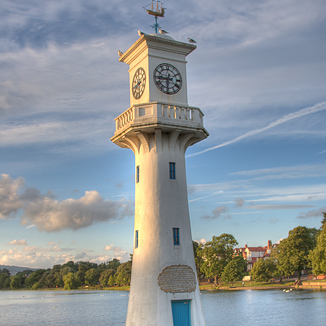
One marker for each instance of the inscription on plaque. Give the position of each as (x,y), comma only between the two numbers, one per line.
(177,279)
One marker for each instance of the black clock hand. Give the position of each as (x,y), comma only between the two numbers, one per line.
(138,83)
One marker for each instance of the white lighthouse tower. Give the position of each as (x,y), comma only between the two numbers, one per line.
(158,127)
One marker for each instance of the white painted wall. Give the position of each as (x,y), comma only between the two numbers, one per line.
(161,204)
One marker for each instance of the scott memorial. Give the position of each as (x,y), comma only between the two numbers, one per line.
(158,127)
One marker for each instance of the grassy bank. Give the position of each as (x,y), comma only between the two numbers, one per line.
(247,286)
(321,284)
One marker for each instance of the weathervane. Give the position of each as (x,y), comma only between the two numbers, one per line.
(158,12)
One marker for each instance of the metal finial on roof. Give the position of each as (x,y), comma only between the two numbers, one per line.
(159,11)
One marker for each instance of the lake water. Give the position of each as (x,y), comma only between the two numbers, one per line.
(109,308)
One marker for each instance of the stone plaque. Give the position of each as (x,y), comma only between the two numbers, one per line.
(177,279)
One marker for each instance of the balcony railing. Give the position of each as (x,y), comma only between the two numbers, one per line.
(160,113)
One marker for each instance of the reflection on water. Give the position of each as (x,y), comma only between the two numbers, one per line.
(109,308)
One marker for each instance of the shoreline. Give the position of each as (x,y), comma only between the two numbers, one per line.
(306,285)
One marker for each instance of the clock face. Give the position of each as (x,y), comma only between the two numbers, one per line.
(167,78)
(138,83)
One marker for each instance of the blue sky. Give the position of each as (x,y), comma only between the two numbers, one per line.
(258,74)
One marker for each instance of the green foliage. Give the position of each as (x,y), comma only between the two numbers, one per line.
(123,274)
(34,278)
(4,279)
(293,252)
(92,277)
(111,281)
(105,276)
(55,279)
(216,254)
(262,270)
(16,282)
(318,255)
(70,266)
(230,272)
(113,264)
(49,280)
(242,265)
(71,281)
(195,246)
(83,267)
(234,270)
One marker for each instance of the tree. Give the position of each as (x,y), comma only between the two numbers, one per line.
(234,270)
(34,277)
(263,270)
(293,252)
(4,279)
(55,278)
(216,254)
(71,281)
(105,276)
(83,267)
(113,264)
(323,222)
(123,274)
(242,265)
(71,266)
(16,282)
(111,281)
(195,246)
(49,280)
(198,260)
(318,255)
(230,272)
(92,277)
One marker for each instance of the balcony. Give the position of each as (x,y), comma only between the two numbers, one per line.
(159,114)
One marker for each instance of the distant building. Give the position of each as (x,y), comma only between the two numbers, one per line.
(253,254)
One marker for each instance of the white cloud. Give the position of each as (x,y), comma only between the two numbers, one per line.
(118,252)
(10,201)
(109,247)
(50,215)
(201,241)
(39,257)
(15,242)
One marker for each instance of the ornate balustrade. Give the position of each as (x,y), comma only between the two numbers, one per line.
(160,113)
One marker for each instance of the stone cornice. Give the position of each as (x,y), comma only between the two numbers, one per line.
(154,42)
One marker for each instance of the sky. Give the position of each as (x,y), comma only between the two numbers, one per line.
(258,74)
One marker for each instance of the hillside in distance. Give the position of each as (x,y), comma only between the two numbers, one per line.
(16,269)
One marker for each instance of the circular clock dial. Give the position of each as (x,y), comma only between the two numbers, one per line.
(167,78)
(138,83)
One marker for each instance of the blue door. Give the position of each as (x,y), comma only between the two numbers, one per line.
(181,313)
